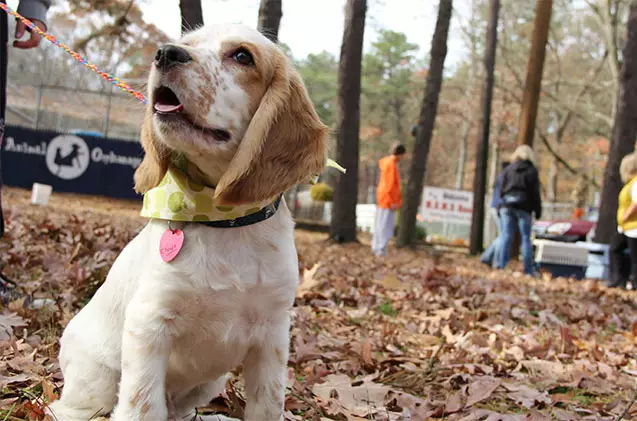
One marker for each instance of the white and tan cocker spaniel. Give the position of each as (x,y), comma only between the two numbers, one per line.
(159,337)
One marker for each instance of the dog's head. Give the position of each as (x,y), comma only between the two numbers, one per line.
(231,102)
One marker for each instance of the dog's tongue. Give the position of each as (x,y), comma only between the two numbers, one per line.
(168,108)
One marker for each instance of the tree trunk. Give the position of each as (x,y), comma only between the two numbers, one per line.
(343,226)
(534,69)
(482,147)
(551,189)
(426,123)
(464,137)
(468,94)
(191,15)
(607,19)
(398,114)
(270,14)
(624,132)
(495,164)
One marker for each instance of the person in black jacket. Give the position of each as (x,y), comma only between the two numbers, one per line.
(520,194)
(34,10)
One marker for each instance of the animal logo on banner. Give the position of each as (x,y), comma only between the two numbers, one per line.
(67,156)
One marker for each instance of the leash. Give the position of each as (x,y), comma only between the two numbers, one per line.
(77,56)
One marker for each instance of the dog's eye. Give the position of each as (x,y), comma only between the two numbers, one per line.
(243,57)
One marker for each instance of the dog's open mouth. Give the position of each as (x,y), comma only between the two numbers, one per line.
(167,105)
(166,102)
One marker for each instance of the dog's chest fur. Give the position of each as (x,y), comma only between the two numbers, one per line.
(219,297)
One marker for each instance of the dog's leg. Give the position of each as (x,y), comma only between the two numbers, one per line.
(201,395)
(265,372)
(146,343)
(90,388)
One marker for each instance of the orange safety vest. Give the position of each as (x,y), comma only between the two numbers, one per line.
(388,190)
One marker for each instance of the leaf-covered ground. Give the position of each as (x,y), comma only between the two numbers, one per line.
(418,335)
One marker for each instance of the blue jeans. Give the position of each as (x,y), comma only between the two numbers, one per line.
(510,220)
(490,255)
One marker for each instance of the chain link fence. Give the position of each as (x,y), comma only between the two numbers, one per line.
(108,113)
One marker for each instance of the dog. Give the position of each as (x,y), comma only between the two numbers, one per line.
(159,337)
(69,160)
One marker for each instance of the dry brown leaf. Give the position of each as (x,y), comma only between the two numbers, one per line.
(526,396)
(7,322)
(481,389)
(358,400)
(391,282)
(366,353)
(454,403)
(309,281)
(48,391)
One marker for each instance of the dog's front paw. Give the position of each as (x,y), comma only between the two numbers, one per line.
(142,412)
(215,418)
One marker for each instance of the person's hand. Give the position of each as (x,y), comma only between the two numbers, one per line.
(395,207)
(34,39)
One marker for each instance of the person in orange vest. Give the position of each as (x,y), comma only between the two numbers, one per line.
(388,200)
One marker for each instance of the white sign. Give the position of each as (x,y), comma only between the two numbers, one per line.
(67,156)
(446,205)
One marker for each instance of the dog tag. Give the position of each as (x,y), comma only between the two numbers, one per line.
(170,244)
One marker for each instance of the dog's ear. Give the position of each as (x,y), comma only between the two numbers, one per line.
(285,142)
(156,158)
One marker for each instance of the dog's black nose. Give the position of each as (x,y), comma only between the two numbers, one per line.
(170,55)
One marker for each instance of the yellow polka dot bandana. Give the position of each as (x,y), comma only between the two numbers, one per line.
(179,198)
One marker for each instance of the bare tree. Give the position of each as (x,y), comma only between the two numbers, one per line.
(426,124)
(343,225)
(191,15)
(606,13)
(534,70)
(624,132)
(482,147)
(471,34)
(270,14)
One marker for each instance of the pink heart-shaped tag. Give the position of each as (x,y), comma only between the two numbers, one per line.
(170,244)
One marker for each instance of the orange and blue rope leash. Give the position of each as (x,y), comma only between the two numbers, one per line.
(79,57)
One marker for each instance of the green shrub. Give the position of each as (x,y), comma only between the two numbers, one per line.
(321,192)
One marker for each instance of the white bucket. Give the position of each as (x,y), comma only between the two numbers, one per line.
(40,194)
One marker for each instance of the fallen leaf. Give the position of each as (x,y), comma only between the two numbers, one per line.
(309,281)
(454,403)
(391,282)
(7,322)
(481,389)
(358,400)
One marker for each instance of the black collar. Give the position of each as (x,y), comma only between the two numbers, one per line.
(243,221)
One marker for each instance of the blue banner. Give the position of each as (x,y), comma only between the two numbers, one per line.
(72,163)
